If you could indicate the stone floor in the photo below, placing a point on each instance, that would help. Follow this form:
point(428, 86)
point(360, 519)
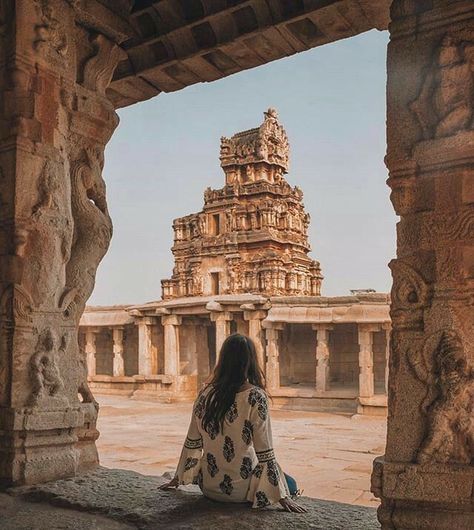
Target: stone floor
point(329, 455)
point(116, 499)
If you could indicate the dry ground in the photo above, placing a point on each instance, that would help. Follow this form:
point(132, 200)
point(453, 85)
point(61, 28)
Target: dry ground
point(329, 455)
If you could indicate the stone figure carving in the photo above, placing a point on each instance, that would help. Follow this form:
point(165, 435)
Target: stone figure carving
point(45, 376)
point(48, 187)
point(92, 227)
point(16, 303)
point(49, 34)
point(50, 234)
point(445, 103)
point(449, 402)
point(410, 295)
point(99, 68)
point(83, 386)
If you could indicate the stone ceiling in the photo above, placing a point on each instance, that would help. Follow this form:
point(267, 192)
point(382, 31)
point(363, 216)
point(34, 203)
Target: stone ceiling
point(175, 44)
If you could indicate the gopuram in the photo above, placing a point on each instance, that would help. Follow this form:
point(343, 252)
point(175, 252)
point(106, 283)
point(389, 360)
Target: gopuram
point(242, 265)
point(251, 236)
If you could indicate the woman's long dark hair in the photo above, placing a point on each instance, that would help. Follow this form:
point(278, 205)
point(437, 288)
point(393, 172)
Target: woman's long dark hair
point(237, 364)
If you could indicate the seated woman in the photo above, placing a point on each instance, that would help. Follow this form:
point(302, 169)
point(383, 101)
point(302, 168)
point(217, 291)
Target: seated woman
point(228, 450)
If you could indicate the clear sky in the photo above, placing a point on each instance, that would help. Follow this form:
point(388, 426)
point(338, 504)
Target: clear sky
point(165, 152)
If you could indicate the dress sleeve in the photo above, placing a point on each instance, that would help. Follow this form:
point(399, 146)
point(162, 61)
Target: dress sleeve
point(268, 484)
point(189, 466)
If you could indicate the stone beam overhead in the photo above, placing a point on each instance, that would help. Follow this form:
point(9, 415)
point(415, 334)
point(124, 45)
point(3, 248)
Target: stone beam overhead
point(181, 43)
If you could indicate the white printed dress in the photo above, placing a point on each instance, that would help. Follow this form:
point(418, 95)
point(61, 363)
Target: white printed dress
point(238, 464)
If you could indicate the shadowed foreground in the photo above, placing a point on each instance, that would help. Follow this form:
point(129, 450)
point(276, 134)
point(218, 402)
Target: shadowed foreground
point(135, 501)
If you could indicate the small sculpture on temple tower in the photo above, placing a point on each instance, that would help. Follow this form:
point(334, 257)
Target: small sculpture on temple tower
point(253, 232)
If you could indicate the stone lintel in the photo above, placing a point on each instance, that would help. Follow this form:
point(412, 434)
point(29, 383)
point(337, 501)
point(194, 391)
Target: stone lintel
point(266, 324)
point(322, 326)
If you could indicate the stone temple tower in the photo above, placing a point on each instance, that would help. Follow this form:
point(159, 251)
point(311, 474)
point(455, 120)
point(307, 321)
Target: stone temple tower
point(251, 236)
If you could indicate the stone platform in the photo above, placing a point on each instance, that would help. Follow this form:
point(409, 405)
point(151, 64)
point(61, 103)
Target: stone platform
point(110, 499)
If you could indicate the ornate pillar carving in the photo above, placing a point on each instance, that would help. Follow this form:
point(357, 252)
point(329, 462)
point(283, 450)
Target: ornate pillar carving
point(366, 360)
point(145, 350)
point(55, 120)
point(118, 367)
point(171, 339)
point(255, 319)
point(90, 351)
point(272, 330)
point(425, 478)
point(322, 356)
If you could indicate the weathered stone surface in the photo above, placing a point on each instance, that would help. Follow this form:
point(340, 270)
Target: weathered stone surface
point(426, 477)
point(54, 227)
point(135, 499)
point(18, 514)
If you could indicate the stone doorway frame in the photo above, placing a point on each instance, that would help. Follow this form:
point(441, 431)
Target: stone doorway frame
point(55, 122)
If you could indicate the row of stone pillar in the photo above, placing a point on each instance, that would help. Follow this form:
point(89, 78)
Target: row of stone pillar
point(171, 325)
point(366, 356)
point(222, 321)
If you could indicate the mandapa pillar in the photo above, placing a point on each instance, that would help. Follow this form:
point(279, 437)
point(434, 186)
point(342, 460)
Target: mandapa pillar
point(366, 360)
point(171, 344)
point(145, 349)
point(272, 334)
point(425, 479)
point(118, 366)
point(90, 351)
point(55, 121)
point(322, 356)
point(255, 319)
point(222, 321)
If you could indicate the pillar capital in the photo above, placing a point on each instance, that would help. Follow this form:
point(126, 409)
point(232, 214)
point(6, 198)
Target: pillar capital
point(146, 321)
point(255, 314)
point(369, 327)
point(171, 320)
point(224, 316)
point(322, 325)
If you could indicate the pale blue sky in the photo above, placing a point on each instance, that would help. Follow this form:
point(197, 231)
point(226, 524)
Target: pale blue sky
point(165, 152)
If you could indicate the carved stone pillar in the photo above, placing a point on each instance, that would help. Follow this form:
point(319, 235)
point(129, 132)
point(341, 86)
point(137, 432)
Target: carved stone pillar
point(222, 321)
point(272, 330)
point(171, 339)
point(322, 356)
point(425, 479)
point(387, 329)
point(254, 319)
point(366, 360)
point(56, 62)
point(145, 350)
point(118, 367)
point(90, 352)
